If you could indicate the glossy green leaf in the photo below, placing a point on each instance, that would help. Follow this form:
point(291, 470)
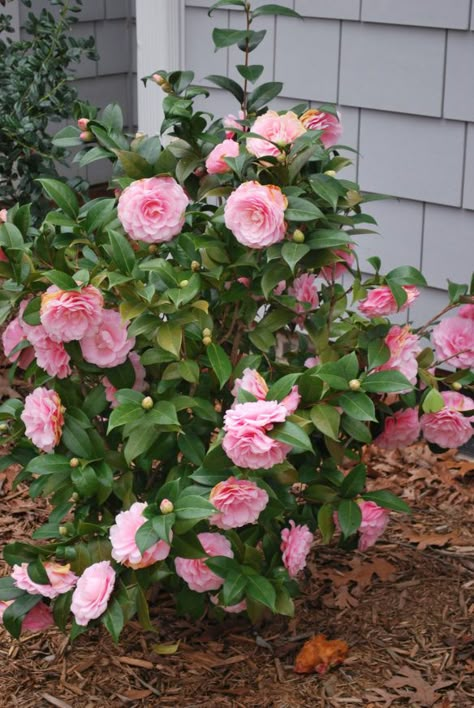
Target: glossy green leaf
point(358, 405)
point(220, 363)
point(62, 195)
point(354, 482)
point(326, 419)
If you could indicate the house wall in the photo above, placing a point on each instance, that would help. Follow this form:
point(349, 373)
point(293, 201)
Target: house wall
point(401, 72)
point(110, 79)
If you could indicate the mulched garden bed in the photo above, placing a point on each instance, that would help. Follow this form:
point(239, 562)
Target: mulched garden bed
point(405, 608)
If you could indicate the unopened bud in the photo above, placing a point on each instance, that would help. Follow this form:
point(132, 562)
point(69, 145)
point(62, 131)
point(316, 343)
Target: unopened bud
point(206, 332)
point(298, 236)
point(3, 427)
point(74, 462)
point(330, 173)
point(206, 341)
point(195, 266)
point(456, 386)
point(82, 123)
point(139, 136)
point(166, 506)
point(147, 403)
point(74, 497)
point(166, 87)
point(184, 284)
point(86, 136)
point(354, 384)
point(153, 248)
point(63, 531)
point(200, 171)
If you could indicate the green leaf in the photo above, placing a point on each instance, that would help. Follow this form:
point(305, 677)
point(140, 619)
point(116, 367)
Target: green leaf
point(162, 526)
point(273, 274)
point(8, 589)
point(220, 363)
point(112, 118)
point(252, 73)
point(261, 590)
point(282, 387)
point(262, 338)
point(76, 438)
point(358, 405)
point(123, 376)
point(222, 565)
point(124, 414)
point(292, 435)
point(62, 195)
point(327, 188)
point(234, 588)
point(122, 252)
point(10, 237)
point(433, 402)
point(227, 37)
point(387, 500)
point(134, 165)
point(406, 275)
point(94, 154)
point(378, 353)
point(349, 516)
point(95, 401)
point(62, 609)
point(37, 572)
point(188, 546)
point(15, 613)
point(320, 493)
point(328, 238)
point(228, 85)
point(273, 9)
point(85, 480)
point(113, 620)
point(68, 137)
point(293, 252)
point(169, 338)
point(455, 291)
point(356, 429)
point(140, 440)
point(220, 3)
point(62, 280)
point(193, 507)
point(326, 522)
point(354, 482)
point(264, 93)
point(48, 464)
point(326, 419)
point(386, 382)
point(302, 210)
point(192, 448)
point(146, 536)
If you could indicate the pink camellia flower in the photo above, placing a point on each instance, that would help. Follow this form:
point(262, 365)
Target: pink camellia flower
point(255, 213)
point(122, 537)
point(215, 163)
point(109, 345)
point(92, 592)
point(305, 290)
point(282, 130)
point(152, 210)
point(373, 524)
point(231, 609)
point(404, 348)
point(231, 124)
point(400, 429)
point(246, 441)
point(330, 124)
point(61, 579)
point(253, 383)
point(12, 336)
point(380, 301)
point(280, 288)
point(292, 400)
point(453, 339)
point(43, 416)
point(70, 314)
point(195, 572)
point(139, 385)
point(312, 361)
point(449, 427)
point(239, 502)
point(53, 358)
point(3, 256)
point(82, 123)
point(295, 546)
point(3, 216)
point(39, 618)
point(466, 311)
point(336, 270)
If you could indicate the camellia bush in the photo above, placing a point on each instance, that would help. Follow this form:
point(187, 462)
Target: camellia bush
point(203, 363)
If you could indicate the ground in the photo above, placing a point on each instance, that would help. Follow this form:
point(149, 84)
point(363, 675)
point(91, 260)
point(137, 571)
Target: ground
point(405, 608)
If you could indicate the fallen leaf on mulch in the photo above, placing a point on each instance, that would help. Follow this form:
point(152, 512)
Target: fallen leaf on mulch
point(424, 540)
point(425, 693)
point(319, 653)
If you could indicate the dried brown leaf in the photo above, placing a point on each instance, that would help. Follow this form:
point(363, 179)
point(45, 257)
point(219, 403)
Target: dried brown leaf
point(318, 654)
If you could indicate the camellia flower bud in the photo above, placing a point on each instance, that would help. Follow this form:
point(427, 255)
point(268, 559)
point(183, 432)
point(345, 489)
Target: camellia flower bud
point(206, 332)
point(207, 341)
point(3, 427)
point(184, 284)
point(147, 403)
point(166, 506)
point(330, 173)
point(298, 236)
point(354, 384)
point(456, 386)
point(86, 136)
point(74, 462)
point(82, 123)
point(74, 497)
point(153, 248)
point(195, 266)
point(63, 531)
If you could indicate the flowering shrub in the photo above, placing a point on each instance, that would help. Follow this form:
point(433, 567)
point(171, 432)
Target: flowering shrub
point(200, 382)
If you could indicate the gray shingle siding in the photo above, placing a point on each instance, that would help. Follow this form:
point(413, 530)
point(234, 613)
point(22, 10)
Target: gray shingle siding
point(401, 72)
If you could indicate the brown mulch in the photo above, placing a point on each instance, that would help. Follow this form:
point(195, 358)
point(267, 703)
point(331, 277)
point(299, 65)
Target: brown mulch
point(405, 608)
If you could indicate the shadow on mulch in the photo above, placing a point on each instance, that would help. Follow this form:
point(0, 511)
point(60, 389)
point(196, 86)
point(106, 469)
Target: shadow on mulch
point(404, 608)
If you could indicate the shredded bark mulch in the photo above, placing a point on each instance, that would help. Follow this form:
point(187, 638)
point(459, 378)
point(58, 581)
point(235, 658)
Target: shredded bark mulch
point(405, 608)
